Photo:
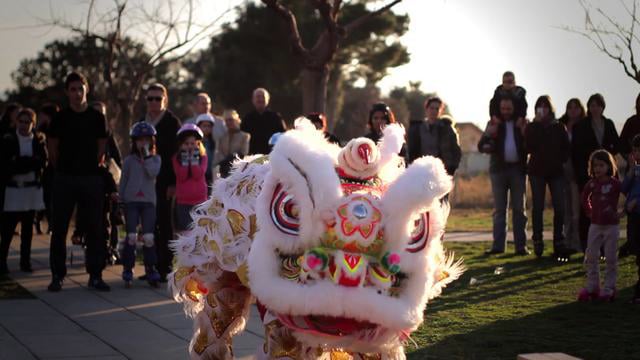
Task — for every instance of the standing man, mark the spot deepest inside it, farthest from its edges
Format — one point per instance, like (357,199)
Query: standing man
(504,141)
(515,92)
(77,138)
(435,136)
(261,123)
(202,105)
(167,126)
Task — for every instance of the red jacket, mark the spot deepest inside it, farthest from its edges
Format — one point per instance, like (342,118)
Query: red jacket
(191,189)
(600,201)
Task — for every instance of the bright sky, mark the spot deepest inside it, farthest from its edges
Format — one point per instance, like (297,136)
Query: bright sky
(459,48)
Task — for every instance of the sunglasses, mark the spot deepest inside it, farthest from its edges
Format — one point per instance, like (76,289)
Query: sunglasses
(154,98)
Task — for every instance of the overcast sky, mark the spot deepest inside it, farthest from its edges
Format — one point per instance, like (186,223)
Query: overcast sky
(459,48)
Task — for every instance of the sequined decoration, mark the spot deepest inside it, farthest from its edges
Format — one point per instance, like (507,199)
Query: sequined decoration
(236,221)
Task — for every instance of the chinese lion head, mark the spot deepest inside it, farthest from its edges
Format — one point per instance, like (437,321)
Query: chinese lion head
(340,247)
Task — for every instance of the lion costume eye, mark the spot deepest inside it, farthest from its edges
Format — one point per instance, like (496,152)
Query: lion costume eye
(285,212)
(420,234)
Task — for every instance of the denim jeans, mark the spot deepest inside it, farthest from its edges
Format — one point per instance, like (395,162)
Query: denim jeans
(508,186)
(557,188)
(140,213)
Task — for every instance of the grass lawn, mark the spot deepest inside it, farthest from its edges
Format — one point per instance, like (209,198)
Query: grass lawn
(530,307)
(480,219)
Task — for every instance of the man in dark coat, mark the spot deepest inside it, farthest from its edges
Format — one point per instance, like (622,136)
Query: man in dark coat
(261,123)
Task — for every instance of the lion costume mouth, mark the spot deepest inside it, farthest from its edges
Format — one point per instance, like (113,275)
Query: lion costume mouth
(328,325)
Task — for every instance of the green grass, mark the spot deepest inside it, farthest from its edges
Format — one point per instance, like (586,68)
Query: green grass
(481,219)
(11,290)
(531,307)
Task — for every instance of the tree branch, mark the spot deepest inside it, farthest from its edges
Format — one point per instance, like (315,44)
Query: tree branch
(294,34)
(363,19)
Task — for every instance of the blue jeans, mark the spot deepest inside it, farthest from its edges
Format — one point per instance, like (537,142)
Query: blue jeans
(508,185)
(140,213)
(143,214)
(557,188)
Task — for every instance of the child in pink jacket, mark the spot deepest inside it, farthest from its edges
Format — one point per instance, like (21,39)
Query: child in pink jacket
(190,166)
(600,202)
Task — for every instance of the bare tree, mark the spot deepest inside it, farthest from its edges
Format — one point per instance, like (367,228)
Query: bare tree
(316,60)
(167,32)
(618,40)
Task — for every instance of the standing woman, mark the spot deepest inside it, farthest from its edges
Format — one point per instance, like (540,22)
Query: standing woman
(547,143)
(234,143)
(380,116)
(574,113)
(592,133)
(24,158)
(167,126)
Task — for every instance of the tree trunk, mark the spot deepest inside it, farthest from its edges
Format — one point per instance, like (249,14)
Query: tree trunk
(313,82)
(335,97)
(123,124)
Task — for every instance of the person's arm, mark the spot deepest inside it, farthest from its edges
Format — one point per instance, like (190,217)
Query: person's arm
(244,148)
(531,141)
(182,172)
(586,199)
(453,149)
(615,138)
(52,146)
(484,145)
(124,176)
(151,166)
(524,106)
(200,169)
(565,145)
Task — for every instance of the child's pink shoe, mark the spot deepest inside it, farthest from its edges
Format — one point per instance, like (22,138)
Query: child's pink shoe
(607,297)
(584,295)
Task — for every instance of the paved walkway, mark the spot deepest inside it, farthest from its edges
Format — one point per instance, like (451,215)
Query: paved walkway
(137,323)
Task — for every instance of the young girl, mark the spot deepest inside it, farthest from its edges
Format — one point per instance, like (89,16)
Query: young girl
(190,166)
(138,191)
(600,201)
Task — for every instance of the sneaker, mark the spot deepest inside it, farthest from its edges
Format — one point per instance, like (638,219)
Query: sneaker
(523,252)
(98,284)
(584,295)
(55,285)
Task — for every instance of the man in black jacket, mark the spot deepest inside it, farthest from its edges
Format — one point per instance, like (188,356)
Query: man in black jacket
(435,136)
(504,141)
(167,126)
(261,123)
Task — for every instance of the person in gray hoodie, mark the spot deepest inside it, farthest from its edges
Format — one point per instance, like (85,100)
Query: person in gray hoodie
(138,192)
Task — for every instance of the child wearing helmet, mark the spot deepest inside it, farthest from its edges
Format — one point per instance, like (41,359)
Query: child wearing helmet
(190,166)
(138,192)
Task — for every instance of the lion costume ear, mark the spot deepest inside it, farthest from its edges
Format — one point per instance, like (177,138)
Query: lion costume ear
(303,162)
(423,183)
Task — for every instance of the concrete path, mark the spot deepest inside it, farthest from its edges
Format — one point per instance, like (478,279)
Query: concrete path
(137,323)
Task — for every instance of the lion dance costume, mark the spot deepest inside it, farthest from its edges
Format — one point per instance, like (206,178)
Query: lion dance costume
(339,247)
